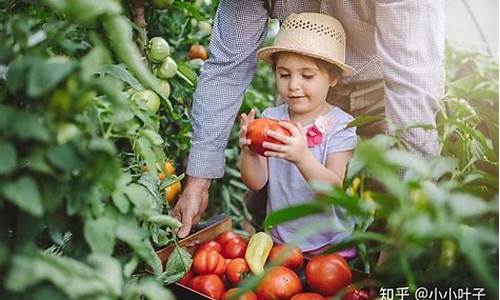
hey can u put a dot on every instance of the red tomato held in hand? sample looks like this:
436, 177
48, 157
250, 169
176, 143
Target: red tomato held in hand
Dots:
234, 248
226, 236
247, 296
209, 262
256, 133
356, 294
328, 274
186, 279
308, 296
235, 270
209, 245
210, 285
293, 257
280, 283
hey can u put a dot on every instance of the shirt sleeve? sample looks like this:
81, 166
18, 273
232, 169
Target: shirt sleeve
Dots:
239, 30
410, 38
342, 138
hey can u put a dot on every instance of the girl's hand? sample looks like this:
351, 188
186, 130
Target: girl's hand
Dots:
244, 121
294, 148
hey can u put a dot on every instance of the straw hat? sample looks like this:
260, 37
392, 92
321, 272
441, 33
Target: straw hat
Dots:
312, 34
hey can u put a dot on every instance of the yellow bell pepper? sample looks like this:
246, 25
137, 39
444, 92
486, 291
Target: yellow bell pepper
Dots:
258, 250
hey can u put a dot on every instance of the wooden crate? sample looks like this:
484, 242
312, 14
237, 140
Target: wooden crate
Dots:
208, 231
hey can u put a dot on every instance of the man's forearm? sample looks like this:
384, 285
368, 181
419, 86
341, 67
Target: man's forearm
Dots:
222, 82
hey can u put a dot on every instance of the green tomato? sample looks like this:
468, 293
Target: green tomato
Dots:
205, 27
149, 98
161, 4
158, 49
165, 88
168, 69
67, 132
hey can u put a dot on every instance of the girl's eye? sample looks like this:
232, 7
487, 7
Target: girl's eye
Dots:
284, 75
308, 76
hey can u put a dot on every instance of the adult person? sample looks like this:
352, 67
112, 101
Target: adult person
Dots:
395, 46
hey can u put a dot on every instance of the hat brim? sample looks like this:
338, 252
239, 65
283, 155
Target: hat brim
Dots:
266, 55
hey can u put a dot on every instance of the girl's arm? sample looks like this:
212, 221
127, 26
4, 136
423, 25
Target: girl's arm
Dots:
253, 167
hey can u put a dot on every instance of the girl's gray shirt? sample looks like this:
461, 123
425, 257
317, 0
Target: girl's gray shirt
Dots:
287, 186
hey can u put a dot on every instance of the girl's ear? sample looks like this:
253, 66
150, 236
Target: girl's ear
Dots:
334, 80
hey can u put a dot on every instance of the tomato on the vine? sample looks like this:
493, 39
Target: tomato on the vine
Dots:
158, 49
149, 98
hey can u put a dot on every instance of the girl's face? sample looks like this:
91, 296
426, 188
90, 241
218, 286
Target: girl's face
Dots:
302, 85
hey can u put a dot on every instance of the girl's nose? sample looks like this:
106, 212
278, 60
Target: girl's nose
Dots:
294, 83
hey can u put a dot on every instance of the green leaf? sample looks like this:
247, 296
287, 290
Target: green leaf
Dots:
147, 287
24, 193
100, 234
129, 232
145, 149
109, 269
464, 205
120, 72
27, 125
9, 158
292, 213
139, 196
74, 278
121, 202
104, 145
364, 120
45, 75
65, 157
17, 73
179, 262
187, 73
152, 136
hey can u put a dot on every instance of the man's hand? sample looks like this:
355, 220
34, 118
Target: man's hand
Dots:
192, 204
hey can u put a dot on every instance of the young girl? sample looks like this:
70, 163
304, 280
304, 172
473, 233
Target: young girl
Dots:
308, 58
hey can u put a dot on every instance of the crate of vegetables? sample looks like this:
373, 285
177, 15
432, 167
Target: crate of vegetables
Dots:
223, 259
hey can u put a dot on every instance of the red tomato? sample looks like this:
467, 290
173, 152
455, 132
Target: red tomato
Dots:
256, 132
280, 283
209, 262
186, 279
209, 245
210, 285
293, 258
247, 296
328, 274
235, 270
234, 248
223, 237
356, 294
308, 296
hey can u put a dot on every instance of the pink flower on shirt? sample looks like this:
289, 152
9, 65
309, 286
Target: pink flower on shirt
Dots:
314, 136
315, 133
